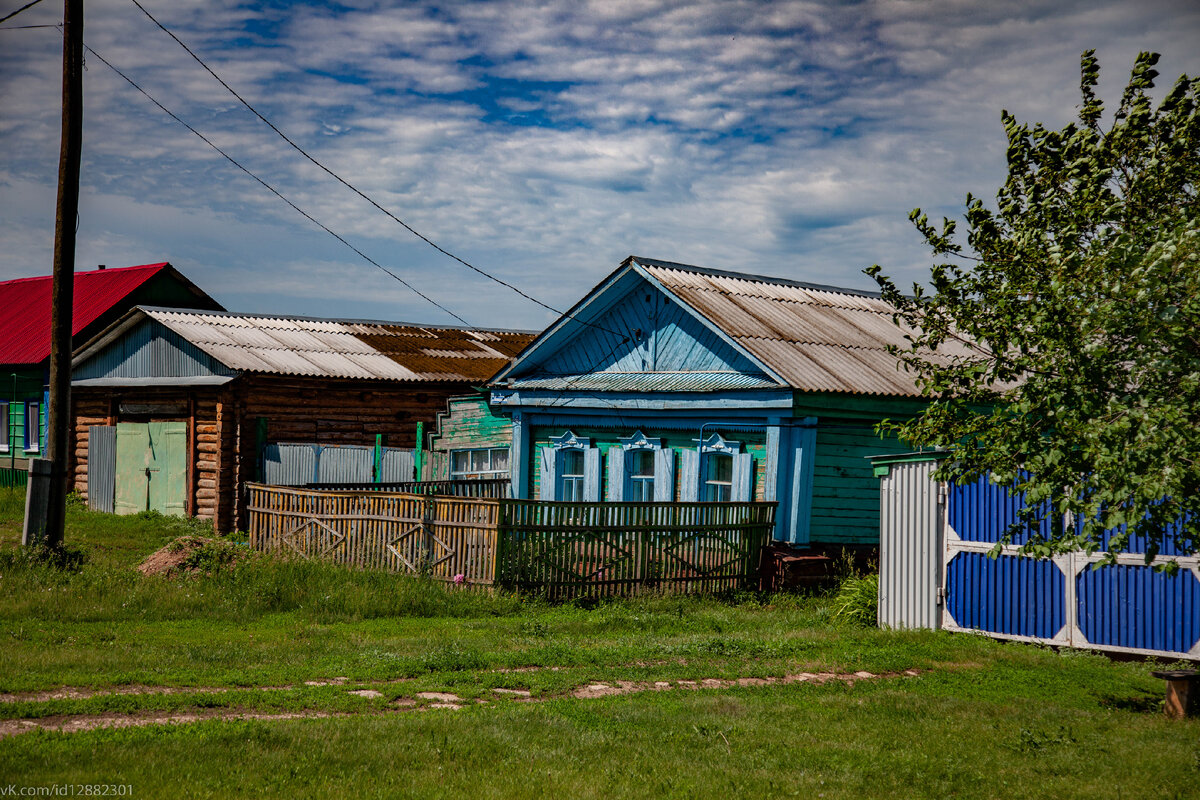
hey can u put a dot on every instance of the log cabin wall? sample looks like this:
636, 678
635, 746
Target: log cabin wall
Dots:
323, 411
199, 407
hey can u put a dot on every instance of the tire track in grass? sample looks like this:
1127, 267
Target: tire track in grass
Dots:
421, 701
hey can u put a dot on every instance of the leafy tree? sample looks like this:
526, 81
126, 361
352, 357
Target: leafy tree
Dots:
1060, 346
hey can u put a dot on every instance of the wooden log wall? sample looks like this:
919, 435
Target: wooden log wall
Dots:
202, 412
327, 411
222, 431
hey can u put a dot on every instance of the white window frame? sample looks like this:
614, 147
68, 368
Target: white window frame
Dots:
473, 474
626, 486
37, 427
6, 421
715, 489
585, 485
569, 485
697, 482
641, 485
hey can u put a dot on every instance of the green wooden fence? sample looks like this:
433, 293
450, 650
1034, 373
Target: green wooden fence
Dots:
556, 548
570, 549
13, 478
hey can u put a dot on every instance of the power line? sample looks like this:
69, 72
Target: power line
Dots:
276, 192
27, 27
7, 17
339, 178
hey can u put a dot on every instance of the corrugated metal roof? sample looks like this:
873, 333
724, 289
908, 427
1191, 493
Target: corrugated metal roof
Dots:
25, 325
344, 349
817, 338
648, 382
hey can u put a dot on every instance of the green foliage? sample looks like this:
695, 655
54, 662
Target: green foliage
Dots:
41, 557
1060, 343
857, 600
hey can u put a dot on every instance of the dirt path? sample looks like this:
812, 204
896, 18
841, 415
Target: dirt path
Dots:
420, 701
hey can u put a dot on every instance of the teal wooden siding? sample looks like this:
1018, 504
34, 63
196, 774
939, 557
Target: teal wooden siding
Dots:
468, 424
845, 502
19, 442
605, 439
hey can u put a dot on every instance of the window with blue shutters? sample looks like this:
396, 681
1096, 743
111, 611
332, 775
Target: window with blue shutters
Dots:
640, 470
718, 477
716, 471
569, 470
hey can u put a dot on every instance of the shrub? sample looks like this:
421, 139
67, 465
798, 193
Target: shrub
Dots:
857, 600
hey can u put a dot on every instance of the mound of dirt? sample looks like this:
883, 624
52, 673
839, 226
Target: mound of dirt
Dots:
173, 558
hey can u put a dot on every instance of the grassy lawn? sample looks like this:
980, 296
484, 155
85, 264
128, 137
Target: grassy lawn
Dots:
978, 719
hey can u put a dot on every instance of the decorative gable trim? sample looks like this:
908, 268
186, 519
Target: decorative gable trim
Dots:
569, 441
639, 441
601, 300
718, 444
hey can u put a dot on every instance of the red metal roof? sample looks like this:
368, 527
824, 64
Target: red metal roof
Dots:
25, 323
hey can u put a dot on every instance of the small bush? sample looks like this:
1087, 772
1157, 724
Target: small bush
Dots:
857, 601
64, 558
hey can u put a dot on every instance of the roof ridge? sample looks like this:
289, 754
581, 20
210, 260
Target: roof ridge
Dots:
303, 318
751, 277
87, 272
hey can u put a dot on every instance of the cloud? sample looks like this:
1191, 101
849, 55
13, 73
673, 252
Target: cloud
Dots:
543, 141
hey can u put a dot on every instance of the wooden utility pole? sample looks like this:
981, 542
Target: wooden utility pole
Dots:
62, 302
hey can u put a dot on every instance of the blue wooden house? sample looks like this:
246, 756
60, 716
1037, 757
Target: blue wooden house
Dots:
673, 382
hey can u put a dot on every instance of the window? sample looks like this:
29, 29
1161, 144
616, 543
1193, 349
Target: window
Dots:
569, 470
718, 477
717, 471
33, 426
570, 478
641, 476
4, 427
484, 463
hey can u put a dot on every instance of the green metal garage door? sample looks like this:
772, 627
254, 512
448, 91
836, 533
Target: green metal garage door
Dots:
151, 467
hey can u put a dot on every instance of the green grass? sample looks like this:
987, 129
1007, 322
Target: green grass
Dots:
983, 719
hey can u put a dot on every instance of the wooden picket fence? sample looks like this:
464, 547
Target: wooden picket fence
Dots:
556, 548
442, 537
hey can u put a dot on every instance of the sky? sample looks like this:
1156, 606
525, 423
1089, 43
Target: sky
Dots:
541, 141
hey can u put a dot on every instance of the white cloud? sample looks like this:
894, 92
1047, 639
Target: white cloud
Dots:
544, 141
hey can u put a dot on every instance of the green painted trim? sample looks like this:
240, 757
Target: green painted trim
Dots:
377, 467
834, 404
260, 446
905, 458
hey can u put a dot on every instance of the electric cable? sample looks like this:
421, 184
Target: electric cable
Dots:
7, 17
342, 180
276, 192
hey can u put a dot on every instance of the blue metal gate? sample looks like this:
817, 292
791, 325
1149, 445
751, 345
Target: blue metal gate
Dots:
1065, 600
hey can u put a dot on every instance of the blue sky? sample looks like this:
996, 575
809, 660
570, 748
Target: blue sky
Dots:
541, 141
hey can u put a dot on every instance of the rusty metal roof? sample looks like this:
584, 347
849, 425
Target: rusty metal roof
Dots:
339, 348
817, 338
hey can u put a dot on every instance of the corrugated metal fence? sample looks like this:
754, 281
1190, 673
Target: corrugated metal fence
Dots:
467, 487
102, 467
561, 549
300, 464
935, 571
